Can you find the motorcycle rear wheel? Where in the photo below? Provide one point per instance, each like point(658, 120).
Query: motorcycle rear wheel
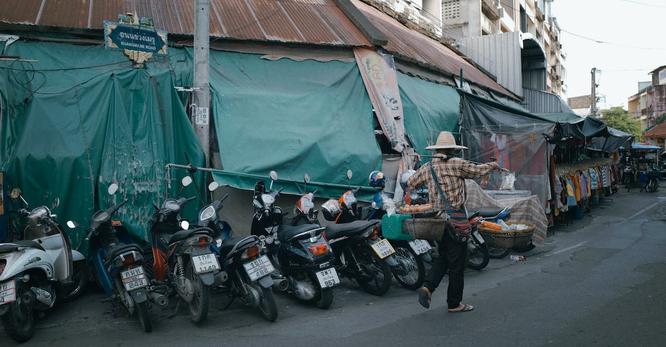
point(415, 269)
point(267, 304)
point(478, 257)
point(144, 317)
point(369, 281)
point(19, 320)
point(198, 307)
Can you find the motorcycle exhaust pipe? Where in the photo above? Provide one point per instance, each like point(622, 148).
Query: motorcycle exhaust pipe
point(280, 284)
point(221, 277)
point(158, 298)
point(43, 296)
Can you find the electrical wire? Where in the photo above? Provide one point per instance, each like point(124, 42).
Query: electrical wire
point(602, 42)
point(643, 3)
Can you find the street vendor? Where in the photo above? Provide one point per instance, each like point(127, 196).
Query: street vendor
point(447, 192)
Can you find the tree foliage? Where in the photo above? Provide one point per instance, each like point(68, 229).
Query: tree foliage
point(661, 118)
point(619, 118)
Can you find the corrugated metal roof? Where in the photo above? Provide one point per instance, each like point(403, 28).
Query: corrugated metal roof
point(657, 132)
point(291, 21)
point(407, 43)
point(539, 101)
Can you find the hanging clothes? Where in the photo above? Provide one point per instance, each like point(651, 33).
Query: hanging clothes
point(571, 192)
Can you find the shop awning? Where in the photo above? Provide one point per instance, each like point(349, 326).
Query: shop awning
point(644, 147)
point(294, 117)
point(428, 109)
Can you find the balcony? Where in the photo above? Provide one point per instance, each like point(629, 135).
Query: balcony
point(492, 9)
point(539, 14)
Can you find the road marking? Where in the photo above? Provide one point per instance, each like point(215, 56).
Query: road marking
point(641, 212)
point(568, 248)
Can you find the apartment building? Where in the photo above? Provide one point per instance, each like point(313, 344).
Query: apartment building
point(650, 101)
point(517, 41)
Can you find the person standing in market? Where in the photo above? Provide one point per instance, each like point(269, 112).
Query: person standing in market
point(445, 178)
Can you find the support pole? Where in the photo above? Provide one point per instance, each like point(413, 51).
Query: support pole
point(593, 106)
point(201, 95)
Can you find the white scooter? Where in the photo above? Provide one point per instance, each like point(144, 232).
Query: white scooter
point(36, 270)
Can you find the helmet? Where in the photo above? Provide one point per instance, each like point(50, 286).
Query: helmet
point(405, 177)
point(377, 179)
point(331, 209)
point(305, 204)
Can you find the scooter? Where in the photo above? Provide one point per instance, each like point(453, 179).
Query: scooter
point(246, 268)
point(117, 260)
point(37, 270)
point(411, 255)
point(299, 250)
point(361, 253)
point(182, 257)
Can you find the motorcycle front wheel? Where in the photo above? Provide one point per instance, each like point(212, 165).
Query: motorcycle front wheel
point(144, 317)
point(411, 269)
point(198, 306)
point(375, 276)
point(79, 282)
point(19, 320)
point(477, 256)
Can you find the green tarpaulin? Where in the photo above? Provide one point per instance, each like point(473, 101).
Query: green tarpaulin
point(292, 117)
point(428, 109)
point(82, 117)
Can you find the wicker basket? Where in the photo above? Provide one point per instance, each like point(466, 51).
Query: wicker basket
point(508, 239)
point(424, 228)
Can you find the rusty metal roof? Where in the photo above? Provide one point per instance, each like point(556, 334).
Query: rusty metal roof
point(289, 21)
point(411, 45)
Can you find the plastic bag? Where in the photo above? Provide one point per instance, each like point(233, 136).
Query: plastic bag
point(508, 181)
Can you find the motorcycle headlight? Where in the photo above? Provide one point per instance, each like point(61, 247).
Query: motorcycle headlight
point(267, 199)
point(207, 214)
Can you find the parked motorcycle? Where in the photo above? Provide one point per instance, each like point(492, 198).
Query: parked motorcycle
point(411, 255)
point(36, 270)
point(117, 261)
point(361, 253)
point(247, 269)
point(298, 249)
point(182, 257)
point(652, 183)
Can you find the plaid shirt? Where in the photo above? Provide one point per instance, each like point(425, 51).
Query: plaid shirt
point(451, 174)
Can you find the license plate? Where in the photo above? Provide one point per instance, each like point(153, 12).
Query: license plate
point(259, 268)
point(134, 278)
point(7, 292)
point(205, 263)
point(478, 237)
point(328, 278)
point(383, 248)
point(420, 246)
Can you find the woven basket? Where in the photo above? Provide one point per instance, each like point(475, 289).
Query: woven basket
point(508, 239)
point(424, 228)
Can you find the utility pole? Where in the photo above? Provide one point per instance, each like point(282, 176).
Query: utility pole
point(201, 95)
point(593, 106)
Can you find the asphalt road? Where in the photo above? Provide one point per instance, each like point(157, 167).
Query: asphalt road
point(599, 281)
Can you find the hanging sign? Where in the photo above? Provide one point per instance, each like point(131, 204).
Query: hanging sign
point(381, 82)
point(136, 36)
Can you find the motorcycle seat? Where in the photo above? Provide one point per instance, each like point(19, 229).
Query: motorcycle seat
point(286, 232)
point(122, 248)
point(490, 212)
point(184, 234)
point(335, 231)
point(230, 243)
point(14, 246)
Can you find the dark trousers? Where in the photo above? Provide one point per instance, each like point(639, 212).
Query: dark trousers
point(452, 258)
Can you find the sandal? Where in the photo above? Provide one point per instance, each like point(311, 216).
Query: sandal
point(424, 297)
point(465, 308)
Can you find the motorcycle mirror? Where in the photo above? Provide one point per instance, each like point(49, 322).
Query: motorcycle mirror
point(274, 175)
point(113, 188)
point(15, 193)
point(213, 186)
point(71, 224)
point(350, 174)
point(186, 181)
point(185, 224)
point(306, 178)
point(56, 203)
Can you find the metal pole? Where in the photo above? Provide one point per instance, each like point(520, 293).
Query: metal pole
point(201, 96)
point(593, 108)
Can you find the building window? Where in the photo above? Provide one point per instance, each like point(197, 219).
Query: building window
point(451, 9)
